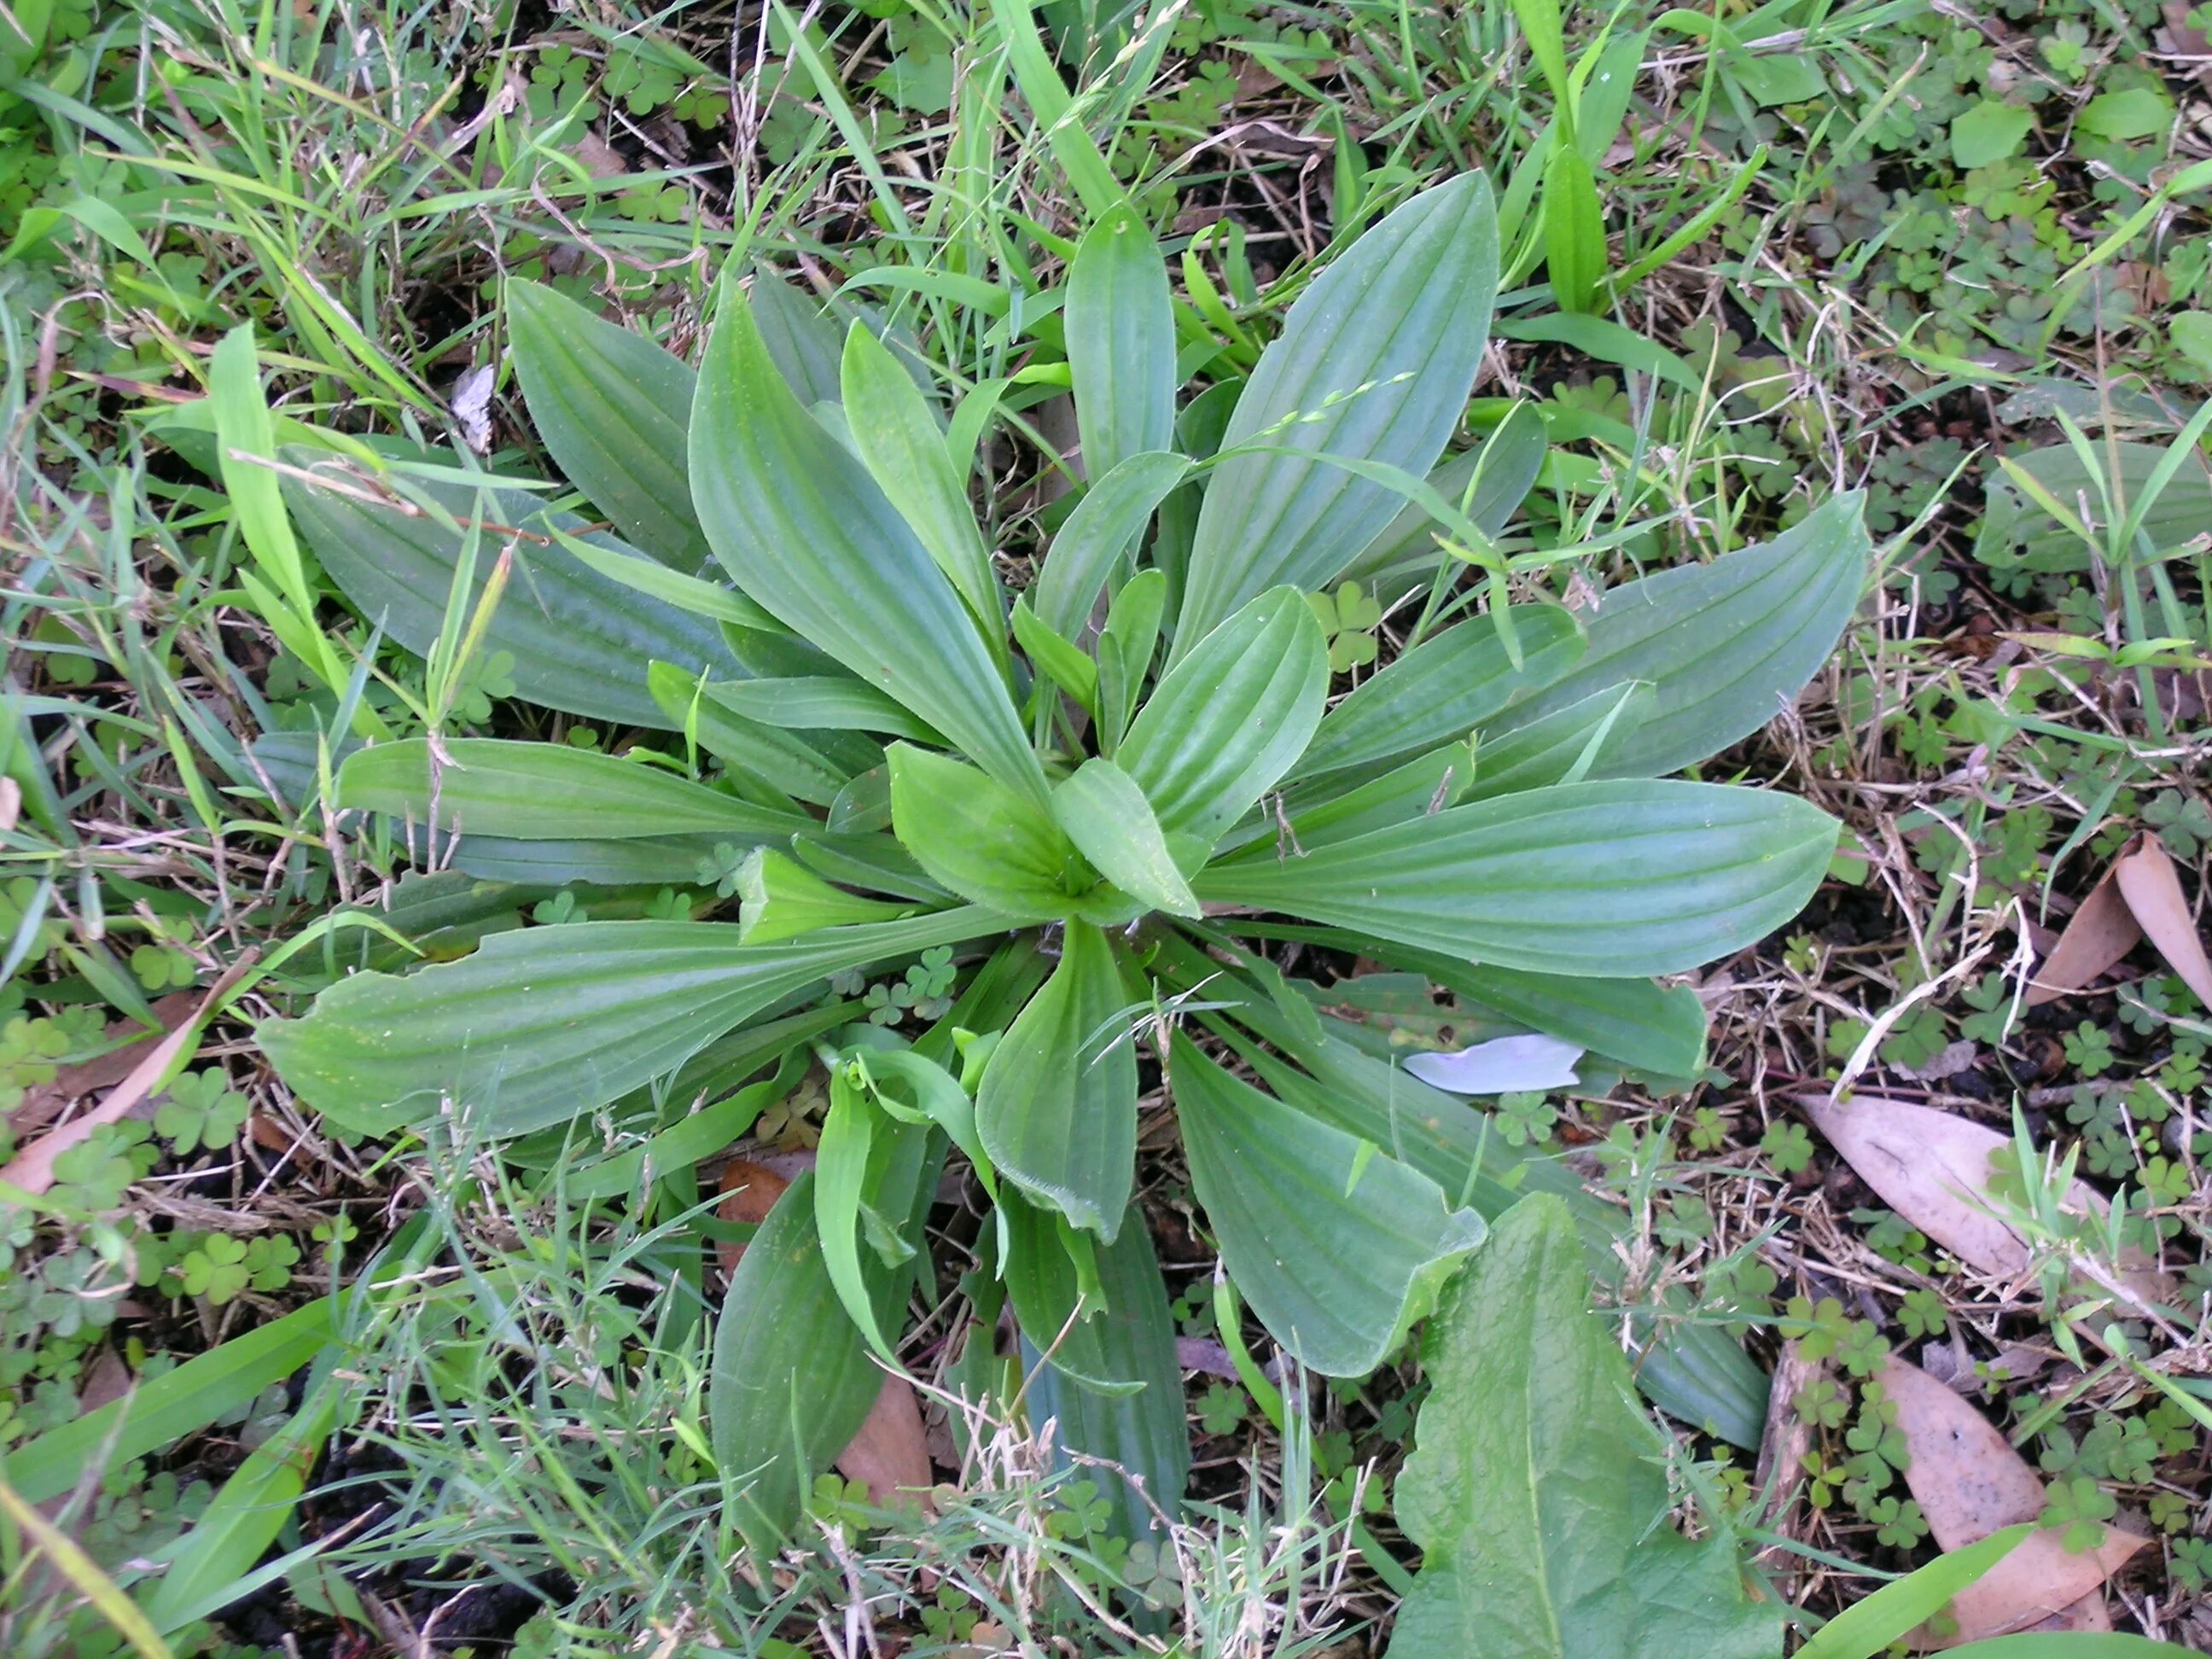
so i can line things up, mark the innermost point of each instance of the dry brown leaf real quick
(889, 1455)
(750, 1191)
(2148, 881)
(2096, 937)
(2186, 40)
(1933, 1168)
(1969, 1483)
(1929, 1167)
(32, 1169)
(43, 1103)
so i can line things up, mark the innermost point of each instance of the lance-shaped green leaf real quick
(1564, 747)
(611, 407)
(981, 841)
(1057, 1108)
(1724, 646)
(795, 517)
(1107, 817)
(1340, 808)
(1230, 718)
(1338, 1246)
(780, 898)
(1442, 689)
(1642, 1025)
(581, 641)
(792, 1381)
(1051, 1274)
(1574, 230)
(1503, 469)
(898, 440)
(803, 341)
(540, 1025)
(639, 862)
(1539, 1492)
(820, 703)
(1613, 880)
(1126, 647)
(1142, 1433)
(1121, 343)
(801, 768)
(1112, 513)
(1375, 363)
(544, 792)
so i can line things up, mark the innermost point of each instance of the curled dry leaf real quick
(2097, 936)
(1969, 1483)
(2147, 880)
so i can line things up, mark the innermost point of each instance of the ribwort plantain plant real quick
(1091, 806)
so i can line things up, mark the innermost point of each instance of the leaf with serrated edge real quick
(1537, 1491)
(1338, 1247)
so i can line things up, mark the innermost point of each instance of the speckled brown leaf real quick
(2147, 880)
(2097, 936)
(1969, 1483)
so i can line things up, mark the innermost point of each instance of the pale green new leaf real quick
(1121, 343)
(1537, 1490)
(544, 792)
(611, 407)
(981, 841)
(543, 1024)
(1612, 880)
(898, 439)
(581, 641)
(1338, 1246)
(1442, 689)
(1724, 646)
(1375, 363)
(1231, 718)
(780, 898)
(1057, 1110)
(795, 517)
(1574, 230)
(1107, 817)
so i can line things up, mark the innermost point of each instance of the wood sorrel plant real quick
(1086, 806)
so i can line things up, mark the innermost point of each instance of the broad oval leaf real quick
(1057, 1108)
(1375, 363)
(611, 407)
(541, 1025)
(795, 517)
(792, 1381)
(544, 792)
(581, 641)
(1230, 718)
(1107, 817)
(1724, 646)
(1120, 326)
(1142, 1433)
(1537, 1492)
(1614, 880)
(981, 840)
(1338, 1247)
(1445, 688)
